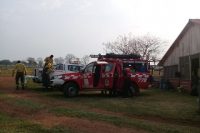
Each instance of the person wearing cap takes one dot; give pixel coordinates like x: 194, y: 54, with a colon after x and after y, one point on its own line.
x: 20, y: 70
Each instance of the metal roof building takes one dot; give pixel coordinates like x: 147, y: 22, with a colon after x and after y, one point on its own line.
x: 182, y: 60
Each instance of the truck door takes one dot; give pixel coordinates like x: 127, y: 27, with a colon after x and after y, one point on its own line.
x: 88, y: 76
x: 117, y: 77
x: 97, y: 76
x: 108, y: 75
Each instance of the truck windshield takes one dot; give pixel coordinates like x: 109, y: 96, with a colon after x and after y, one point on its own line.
x: 59, y: 67
x: 136, y: 67
x: 108, y: 67
x: 74, y: 68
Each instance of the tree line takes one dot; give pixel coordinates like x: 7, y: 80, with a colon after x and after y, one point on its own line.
x: 30, y: 61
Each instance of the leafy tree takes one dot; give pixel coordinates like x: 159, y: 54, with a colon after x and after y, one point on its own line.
x: 40, y: 62
x: 31, y: 61
x: 59, y: 60
x: 5, y: 62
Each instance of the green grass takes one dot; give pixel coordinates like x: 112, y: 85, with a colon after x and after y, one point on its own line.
x: 14, y: 125
x: 154, y: 111
x: 156, y: 103
x: 33, y: 86
x: 177, y: 109
x: 7, y: 71
x: 125, y: 121
x: 26, y: 104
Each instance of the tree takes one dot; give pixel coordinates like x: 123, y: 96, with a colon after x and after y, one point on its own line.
x: 146, y: 46
x: 31, y: 61
x: 59, y: 60
x: 85, y: 59
x: 69, y: 57
x: 5, y: 62
x: 40, y: 62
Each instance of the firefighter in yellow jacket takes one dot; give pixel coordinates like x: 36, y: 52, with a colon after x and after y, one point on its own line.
x: 20, y: 71
x: 47, y: 69
x: 48, y: 60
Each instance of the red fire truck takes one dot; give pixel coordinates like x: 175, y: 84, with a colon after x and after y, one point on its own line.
x: 111, y: 72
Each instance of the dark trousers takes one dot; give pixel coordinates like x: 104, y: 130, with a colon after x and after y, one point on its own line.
x: 127, y: 84
x: 19, y: 76
x: 45, y: 79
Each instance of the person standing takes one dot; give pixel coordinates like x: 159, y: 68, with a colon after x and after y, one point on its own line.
x: 19, y: 71
x: 48, y: 60
x: 47, y: 69
x: 127, y: 83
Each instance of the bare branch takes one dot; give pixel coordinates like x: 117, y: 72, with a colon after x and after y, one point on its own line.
x: 147, y: 46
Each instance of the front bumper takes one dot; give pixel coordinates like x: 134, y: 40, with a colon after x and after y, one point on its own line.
x: 57, y: 82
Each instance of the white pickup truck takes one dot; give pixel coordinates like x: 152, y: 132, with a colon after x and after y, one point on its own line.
x: 59, y: 69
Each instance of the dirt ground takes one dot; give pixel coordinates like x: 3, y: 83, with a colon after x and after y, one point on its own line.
x: 46, y: 119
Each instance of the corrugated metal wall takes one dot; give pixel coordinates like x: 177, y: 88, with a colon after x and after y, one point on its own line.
x: 184, y: 67
x: 189, y: 45
x: 169, y: 71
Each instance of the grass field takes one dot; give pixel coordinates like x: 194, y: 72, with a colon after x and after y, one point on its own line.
x: 154, y: 110
x: 7, y: 70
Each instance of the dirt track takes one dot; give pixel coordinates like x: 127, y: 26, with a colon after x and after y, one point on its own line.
x: 46, y: 119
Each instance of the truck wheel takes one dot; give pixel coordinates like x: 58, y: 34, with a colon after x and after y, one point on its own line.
x: 133, y: 90
x: 70, y: 90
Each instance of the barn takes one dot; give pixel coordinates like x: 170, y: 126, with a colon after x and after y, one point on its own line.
x: 181, y: 61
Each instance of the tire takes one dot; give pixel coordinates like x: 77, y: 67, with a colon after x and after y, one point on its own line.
x: 70, y: 90
x: 133, y: 90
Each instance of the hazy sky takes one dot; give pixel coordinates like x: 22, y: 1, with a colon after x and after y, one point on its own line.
x: 38, y: 28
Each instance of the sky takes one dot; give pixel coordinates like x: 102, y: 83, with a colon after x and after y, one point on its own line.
x: 39, y: 28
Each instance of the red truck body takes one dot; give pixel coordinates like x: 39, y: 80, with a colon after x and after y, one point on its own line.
x: 109, y: 73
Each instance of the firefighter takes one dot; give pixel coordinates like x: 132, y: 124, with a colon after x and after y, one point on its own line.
x: 47, y: 69
x: 20, y: 71
x: 127, y: 82
x: 48, y: 60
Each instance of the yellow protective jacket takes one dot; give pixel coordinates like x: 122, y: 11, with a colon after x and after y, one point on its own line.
x: 48, y: 60
x: 19, y: 67
x: 48, y: 64
x: 48, y: 67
